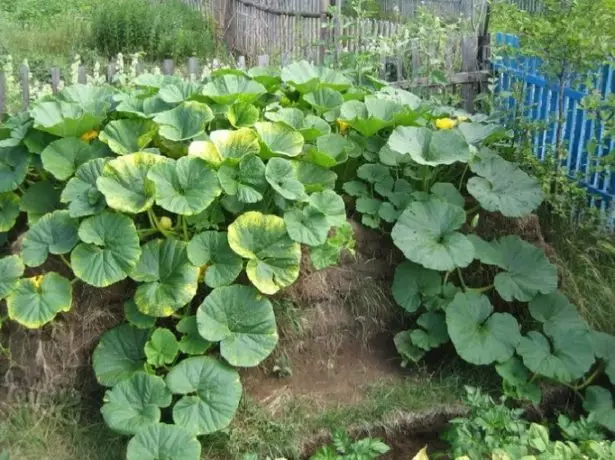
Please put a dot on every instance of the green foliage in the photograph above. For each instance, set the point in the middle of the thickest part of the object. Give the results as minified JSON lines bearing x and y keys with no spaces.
{"x":493,"y":430}
{"x":168,"y":29}
{"x":343,"y":447}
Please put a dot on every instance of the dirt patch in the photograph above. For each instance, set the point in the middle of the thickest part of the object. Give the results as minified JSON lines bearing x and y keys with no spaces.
{"x":58,"y":355}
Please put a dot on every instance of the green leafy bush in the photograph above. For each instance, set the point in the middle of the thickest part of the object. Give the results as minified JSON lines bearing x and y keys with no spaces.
{"x":167,"y":29}
{"x":204,"y":193}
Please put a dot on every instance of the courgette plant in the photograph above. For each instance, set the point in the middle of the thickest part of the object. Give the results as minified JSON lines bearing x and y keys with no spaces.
{"x":204,"y":194}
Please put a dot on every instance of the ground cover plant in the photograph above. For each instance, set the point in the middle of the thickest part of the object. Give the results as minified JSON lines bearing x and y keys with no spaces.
{"x":204,"y":195}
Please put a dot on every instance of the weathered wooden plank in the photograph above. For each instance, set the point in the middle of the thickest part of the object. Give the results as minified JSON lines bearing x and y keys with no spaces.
{"x":460,"y":78}
{"x":468,"y":64}
{"x":82,"y":75}
{"x":110,"y":71}
{"x":193,"y":68}
{"x":168,"y":67}
{"x":55,"y":79}
{"x":24,"y":73}
{"x":3,"y":95}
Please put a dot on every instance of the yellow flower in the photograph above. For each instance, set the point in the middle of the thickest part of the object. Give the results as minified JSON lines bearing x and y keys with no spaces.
{"x":344,"y":126}
{"x":89,"y":136}
{"x":37,"y":280}
{"x":445,"y":123}
{"x":166,"y":223}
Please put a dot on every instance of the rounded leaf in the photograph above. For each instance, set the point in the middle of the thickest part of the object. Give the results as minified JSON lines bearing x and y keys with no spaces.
{"x":36,"y":301}
{"x":324,"y":99}
{"x":119,"y":354}
{"x":331,"y":205}
{"x":39,"y":199}
{"x":62,"y":157}
{"x":479,"y":335}
{"x":227,"y":89}
{"x":567,"y":358}
{"x":66,"y":119}
{"x":14,"y":162}
{"x":412,"y":284}
{"x":504,"y":187}
{"x":55,"y":233}
{"x":212,"y":390}
{"x":603,"y":345}
{"x":556,"y":313}
{"x":599,"y":403}
{"x":136,"y":318}
{"x":226,"y":146}
{"x":128,"y":136}
{"x":134,"y":403}
{"x":242,"y":321}
{"x":274,"y":258}
{"x":109,"y":249}
{"x":246,"y":181}
{"x":191,"y":341}
{"x":81,"y":192}
{"x":211,"y":250}
{"x":306,"y":77}
{"x":124,"y":182}
{"x":425,"y":232}
{"x":186,"y":186}
{"x":308,"y":225}
{"x":242,"y":115}
{"x":282,"y":176}
{"x":279,"y":139}
{"x":161,"y":348}
{"x":9,"y":211}
{"x":162,"y":441}
{"x":168,"y":279}
{"x":184,"y":122}
{"x":11,"y":270}
{"x":431,"y":148}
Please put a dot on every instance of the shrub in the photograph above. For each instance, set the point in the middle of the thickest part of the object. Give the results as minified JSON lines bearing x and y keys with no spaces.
{"x":168,"y":29}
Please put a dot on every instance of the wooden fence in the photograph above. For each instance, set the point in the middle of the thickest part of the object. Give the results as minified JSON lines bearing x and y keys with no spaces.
{"x":461,"y":66}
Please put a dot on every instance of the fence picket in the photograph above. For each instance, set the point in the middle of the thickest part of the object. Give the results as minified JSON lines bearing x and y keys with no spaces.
{"x":55,"y":79}
{"x":3,"y":94}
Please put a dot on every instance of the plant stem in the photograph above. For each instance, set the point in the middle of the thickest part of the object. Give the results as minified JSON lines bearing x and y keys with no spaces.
{"x":463,"y":284}
{"x":589,"y":379}
{"x":65,"y":260}
{"x":481,"y":290}
{"x":446,"y":277}
{"x":155,"y":223}
{"x":463,"y":176}
{"x":74,"y":280}
{"x":185,"y":227}
{"x":473,"y":210}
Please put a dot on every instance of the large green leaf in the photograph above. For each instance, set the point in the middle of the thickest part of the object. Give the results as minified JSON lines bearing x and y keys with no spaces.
{"x":134,"y":316}
{"x":504,"y":187}
{"x":81,"y":192}
{"x":603,"y":345}
{"x":282,"y":175}
{"x":599,"y":403}
{"x":168,"y":279}
{"x":109,"y":249}
{"x":134,"y":403}
{"x":426,"y":234}
{"x":566,"y":358}
{"x":331,"y":205}
{"x":65,"y":119}
{"x":191,"y":341}
{"x":128,"y":136}
{"x":433,"y":331}
{"x":313,"y":177}
{"x":399,"y":96}
{"x":408,"y":351}
{"x":62,"y":157}
{"x":307,"y":225}
{"x":163,"y":442}
{"x":39,"y":199}
{"x":431,"y":148}
{"x":124,"y":182}
{"x":306,"y":77}
{"x":227,"y":89}
{"x":161,"y":348}
{"x":14,"y":162}
{"x":412,"y":284}
{"x":178,"y":91}
{"x":556,"y":313}
{"x":186,"y":186}
{"x":226,"y":146}
{"x":119,"y":354}
{"x":9,"y":211}
{"x":36,"y":301}
{"x":324,"y":99}
{"x":55,"y":233}
{"x":274,"y":259}
{"x":212,"y":392}
{"x":184,"y":122}
{"x":242,"y":321}
{"x":331,"y":150}
{"x":246,"y":181}
{"x":370,"y":116}
{"x":212,"y":251}
{"x":279,"y":139}
{"x":476,"y":133}
{"x":528,"y":271}
{"x":11,"y":270}
{"x":479,"y":335}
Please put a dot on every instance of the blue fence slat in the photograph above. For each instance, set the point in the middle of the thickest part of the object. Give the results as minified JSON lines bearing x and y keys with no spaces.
{"x":540,"y":103}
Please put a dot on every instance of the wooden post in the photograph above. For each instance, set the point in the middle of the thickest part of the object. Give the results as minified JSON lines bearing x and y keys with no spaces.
{"x":55,"y":80}
{"x":25,"y":84}
{"x":110,"y":71}
{"x":193,"y":68}
{"x":468,"y":64}
{"x":324,"y":29}
{"x":168,"y":67}
{"x":263,"y":60}
{"x":2,"y":94}
{"x":81,"y":75}
{"x":337,"y":32}
{"x":241,"y":62}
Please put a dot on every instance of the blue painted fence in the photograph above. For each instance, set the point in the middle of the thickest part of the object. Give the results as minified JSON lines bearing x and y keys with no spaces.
{"x":541,"y":103}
